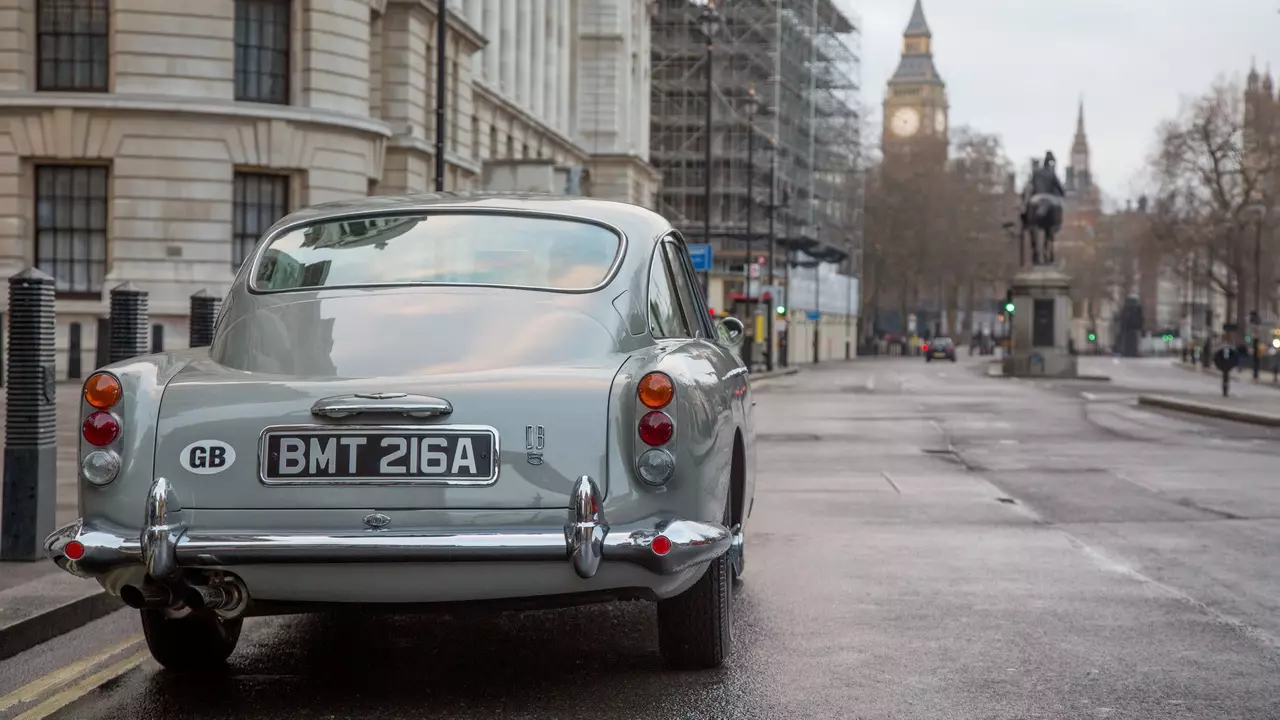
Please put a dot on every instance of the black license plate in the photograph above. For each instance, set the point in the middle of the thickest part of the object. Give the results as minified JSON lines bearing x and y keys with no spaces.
{"x":379,"y":455}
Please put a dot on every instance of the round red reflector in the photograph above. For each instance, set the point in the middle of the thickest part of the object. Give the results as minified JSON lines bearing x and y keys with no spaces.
{"x":661,"y":545}
{"x":100,"y":429}
{"x":74,"y":550}
{"x":656,"y":428}
{"x":656,"y":390}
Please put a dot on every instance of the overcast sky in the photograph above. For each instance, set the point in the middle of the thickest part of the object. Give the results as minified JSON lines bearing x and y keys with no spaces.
{"x":1132,"y":60}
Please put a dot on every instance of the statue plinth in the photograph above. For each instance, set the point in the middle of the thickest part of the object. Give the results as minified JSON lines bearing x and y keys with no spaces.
{"x":1041,"y":324}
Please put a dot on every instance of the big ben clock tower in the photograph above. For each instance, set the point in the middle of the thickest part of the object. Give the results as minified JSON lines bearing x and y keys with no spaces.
{"x":915,"y":103}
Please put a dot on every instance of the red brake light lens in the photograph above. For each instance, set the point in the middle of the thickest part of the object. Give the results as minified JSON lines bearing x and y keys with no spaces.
{"x":926,"y":347}
{"x":656,"y":390}
{"x":656,"y":428}
{"x":100,"y":429}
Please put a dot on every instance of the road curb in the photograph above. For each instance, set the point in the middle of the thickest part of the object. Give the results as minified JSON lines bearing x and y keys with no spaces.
{"x":1207,"y":410}
{"x":773,"y":373}
{"x":40,"y":610}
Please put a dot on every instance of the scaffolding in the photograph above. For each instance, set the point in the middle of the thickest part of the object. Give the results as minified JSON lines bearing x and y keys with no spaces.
{"x":801,"y":57}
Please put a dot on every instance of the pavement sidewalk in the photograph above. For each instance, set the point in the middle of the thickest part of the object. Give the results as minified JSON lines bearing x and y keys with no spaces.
{"x":1265,"y":379}
{"x":1253,"y":410}
{"x":37,"y":600}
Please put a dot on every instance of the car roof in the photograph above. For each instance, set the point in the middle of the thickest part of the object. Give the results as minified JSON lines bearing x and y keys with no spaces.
{"x":638,"y":223}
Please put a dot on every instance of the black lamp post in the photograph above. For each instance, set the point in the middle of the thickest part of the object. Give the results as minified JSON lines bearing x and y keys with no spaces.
{"x":709,"y":24}
{"x":753,"y":105}
{"x":773,"y":245}
{"x":1260,"y":211}
{"x":442,"y":12}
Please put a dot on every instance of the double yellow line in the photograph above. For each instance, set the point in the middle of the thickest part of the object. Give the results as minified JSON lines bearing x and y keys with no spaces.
{"x":38,"y":689}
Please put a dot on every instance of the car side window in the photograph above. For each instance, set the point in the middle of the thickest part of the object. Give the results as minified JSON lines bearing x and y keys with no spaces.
{"x":695,"y":308}
{"x":666,"y":317}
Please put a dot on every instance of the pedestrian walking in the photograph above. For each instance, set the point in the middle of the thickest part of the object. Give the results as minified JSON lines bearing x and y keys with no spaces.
{"x":1225,"y":359}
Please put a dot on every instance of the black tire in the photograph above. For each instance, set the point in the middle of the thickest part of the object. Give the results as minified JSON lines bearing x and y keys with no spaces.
{"x":198,"y":642}
{"x":695,"y":628}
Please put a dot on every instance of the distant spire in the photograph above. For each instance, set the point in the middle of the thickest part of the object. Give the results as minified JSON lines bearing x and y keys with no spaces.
{"x":1253,"y":74}
{"x":1080,"y":118}
{"x":918,"y":27}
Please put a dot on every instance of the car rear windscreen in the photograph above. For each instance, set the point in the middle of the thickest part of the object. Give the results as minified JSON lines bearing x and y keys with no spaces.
{"x":441,"y":248}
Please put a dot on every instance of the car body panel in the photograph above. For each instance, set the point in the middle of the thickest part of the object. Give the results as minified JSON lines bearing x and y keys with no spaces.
{"x":510,"y":358}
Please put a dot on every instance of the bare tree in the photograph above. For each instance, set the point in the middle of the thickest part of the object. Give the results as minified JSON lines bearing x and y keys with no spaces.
{"x":934,"y":231}
{"x":1215,"y":168}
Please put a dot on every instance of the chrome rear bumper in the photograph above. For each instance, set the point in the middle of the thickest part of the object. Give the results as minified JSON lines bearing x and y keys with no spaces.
{"x":166,"y":546}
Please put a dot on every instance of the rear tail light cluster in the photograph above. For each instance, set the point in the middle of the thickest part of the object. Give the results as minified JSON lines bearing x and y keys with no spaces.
{"x":101,"y":428}
{"x":656,"y":428}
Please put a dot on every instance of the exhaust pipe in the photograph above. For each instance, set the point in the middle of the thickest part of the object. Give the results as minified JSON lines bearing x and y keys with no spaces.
{"x":147,"y":597}
{"x":228,"y":597}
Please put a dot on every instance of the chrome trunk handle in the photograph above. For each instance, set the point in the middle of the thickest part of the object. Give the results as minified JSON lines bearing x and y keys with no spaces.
{"x":418,"y":406}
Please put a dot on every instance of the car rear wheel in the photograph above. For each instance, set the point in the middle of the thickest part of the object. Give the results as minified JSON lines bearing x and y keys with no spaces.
{"x":695,"y":628}
{"x":198,"y":642}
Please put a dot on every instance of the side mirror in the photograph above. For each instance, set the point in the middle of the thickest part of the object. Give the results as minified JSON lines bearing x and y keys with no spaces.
{"x":732,"y":331}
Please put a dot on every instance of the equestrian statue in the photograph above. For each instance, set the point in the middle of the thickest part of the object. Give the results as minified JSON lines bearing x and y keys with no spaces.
{"x":1042,"y":203}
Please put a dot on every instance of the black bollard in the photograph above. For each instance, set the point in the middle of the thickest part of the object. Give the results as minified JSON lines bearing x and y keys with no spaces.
{"x":128,"y":322}
{"x":157,"y":338}
{"x":102,"y":345}
{"x":74,"y":349}
{"x":30,"y":433}
{"x":204,"y":310}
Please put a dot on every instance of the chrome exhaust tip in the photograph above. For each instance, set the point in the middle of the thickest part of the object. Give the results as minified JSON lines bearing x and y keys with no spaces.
{"x":147,"y":596}
{"x":227,"y":596}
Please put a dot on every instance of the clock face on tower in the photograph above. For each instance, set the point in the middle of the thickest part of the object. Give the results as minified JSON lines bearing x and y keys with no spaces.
{"x":905,"y":122}
{"x":940,"y":121}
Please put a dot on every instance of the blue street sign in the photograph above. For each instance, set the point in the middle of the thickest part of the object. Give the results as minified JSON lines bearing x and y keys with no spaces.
{"x":811,"y":314}
{"x":700,"y":255}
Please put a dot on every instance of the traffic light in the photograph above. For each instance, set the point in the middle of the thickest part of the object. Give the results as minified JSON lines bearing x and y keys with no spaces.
{"x":1008,"y":301}
{"x":781,"y":309}
{"x":1093,"y":337}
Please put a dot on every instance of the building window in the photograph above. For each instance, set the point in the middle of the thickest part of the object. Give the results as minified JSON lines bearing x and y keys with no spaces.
{"x":72,"y":45}
{"x":262,"y":51}
{"x":71,"y":225}
{"x":259,"y":201}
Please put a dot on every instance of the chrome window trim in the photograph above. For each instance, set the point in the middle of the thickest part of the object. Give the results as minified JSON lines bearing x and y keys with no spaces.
{"x":356,"y":429}
{"x":251,"y":265}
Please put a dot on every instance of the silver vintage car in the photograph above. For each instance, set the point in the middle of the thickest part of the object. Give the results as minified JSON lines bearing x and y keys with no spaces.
{"x":423,"y":400}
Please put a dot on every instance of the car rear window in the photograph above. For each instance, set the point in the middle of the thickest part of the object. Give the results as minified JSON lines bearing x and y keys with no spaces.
{"x":440,"y":248}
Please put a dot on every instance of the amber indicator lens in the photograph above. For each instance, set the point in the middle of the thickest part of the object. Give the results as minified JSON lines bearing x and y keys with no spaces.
{"x":656,"y":390}
{"x":102,"y":391}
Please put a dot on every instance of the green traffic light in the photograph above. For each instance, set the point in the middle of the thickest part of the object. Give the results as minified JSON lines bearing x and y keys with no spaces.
{"x":1008,"y":307}
{"x":1092,"y":337}
{"x":781,"y":310}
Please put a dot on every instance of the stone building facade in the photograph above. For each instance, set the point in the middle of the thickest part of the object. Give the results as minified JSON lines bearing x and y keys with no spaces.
{"x":152,"y":142}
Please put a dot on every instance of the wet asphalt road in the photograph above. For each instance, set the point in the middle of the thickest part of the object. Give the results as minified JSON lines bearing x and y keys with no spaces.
{"x":926,"y":543}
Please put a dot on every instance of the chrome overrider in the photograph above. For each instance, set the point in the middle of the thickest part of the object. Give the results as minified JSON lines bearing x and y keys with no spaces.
{"x":166,"y":546}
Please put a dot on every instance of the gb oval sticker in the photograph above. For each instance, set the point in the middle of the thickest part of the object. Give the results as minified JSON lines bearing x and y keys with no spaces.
{"x":206,"y":457}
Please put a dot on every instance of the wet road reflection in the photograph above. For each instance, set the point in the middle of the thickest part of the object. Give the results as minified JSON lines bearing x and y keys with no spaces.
{"x":596,"y":661}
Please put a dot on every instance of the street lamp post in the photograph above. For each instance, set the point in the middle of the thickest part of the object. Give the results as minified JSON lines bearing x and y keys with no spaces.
{"x":817,"y":307}
{"x":784,"y":343}
{"x":1261,"y":211}
{"x":709,"y":23}
{"x":773,"y":244}
{"x":442,"y":13}
{"x":753,"y":104}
